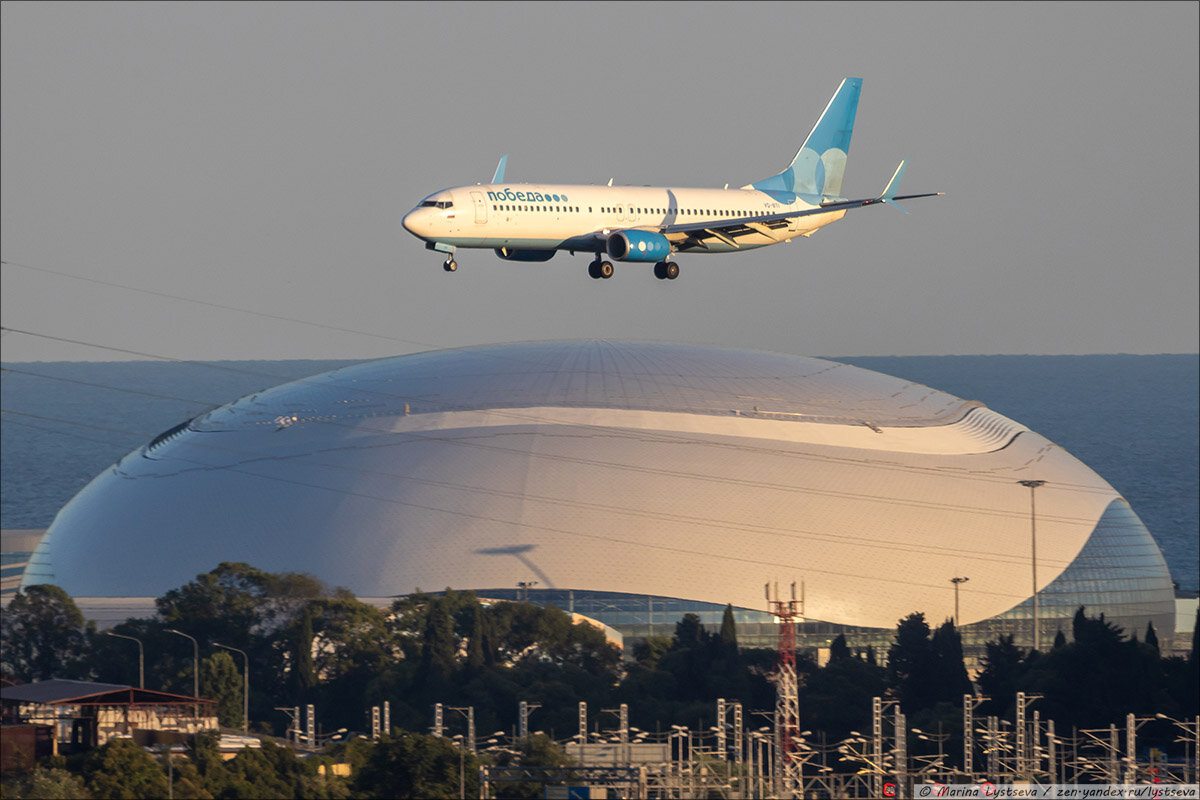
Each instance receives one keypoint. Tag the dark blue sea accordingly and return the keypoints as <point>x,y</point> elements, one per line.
<point>1133,419</point>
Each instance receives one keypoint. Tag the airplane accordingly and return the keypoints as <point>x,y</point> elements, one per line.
<point>532,222</point>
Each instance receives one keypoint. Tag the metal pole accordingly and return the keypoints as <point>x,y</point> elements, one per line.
<point>956,582</point>
<point>141,657</point>
<point>969,737</point>
<point>245,689</point>
<point>877,741</point>
<point>1033,485</point>
<point>583,731</point>
<point>1113,749</point>
<point>723,754</point>
<point>1053,750</point>
<point>1130,749</point>
<point>195,669</point>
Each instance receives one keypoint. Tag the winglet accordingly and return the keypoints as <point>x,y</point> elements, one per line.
<point>499,176</point>
<point>893,185</point>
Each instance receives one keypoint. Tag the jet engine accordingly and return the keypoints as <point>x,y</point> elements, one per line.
<point>635,245</point>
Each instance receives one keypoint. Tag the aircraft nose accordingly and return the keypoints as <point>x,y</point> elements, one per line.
<point>416,223</point>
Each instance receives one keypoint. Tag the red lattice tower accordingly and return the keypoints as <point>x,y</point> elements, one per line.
<point>787,698</point>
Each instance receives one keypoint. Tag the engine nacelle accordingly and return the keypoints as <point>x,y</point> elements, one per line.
<point>509,254</point>
<point>638,246</point>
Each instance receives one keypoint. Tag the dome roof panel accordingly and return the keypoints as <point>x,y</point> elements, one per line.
<point>602,374</point>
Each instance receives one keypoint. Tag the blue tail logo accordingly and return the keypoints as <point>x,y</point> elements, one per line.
<point>819,166</point>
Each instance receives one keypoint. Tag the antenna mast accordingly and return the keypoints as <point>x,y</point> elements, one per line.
<point>787,698</point>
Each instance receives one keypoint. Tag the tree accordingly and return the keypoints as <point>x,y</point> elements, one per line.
<point>50,783</point>
<point>122,769</point>
<point>438,646</point>
<point>837,698</point>
<point>728,634</point>
<point>1002,669</point>
<point>351,638</point>
<point>949,670</point>
<point>302,677</point>
<point>689,633</point>
<point>537,750</point>
<point>838,649</point>
<point>43,635</point>
<point>416,765</point>
<point>1151,635</point>
<point>649,651</point>
<point>911,665</point>
<point>476,654</point>
<point>221,681</point>
<point>226,604</point>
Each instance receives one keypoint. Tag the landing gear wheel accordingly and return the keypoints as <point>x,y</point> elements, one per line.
<point>594,269</point>
<point>660,270</point>
<point>671,270</point>
<point>450,265</point>
<point>605,269</point>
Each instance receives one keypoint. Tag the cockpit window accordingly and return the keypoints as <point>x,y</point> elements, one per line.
<point>437,204</point>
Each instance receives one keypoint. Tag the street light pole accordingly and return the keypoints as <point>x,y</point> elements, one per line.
<point>245,689</point>
<point>195,668</point>
<point>141,657</point>
<point>1033,485</point>
<point>956,582</point>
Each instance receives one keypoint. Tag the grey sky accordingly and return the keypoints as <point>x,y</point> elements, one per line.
<point>260,156</point>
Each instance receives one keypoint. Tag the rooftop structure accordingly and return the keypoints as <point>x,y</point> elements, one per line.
<point>622,478</point>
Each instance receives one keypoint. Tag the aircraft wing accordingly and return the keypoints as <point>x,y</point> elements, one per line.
<point>767,219</point>
<point>686,235</point>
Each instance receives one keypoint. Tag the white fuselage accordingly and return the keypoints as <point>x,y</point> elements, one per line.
<point>542,216</point>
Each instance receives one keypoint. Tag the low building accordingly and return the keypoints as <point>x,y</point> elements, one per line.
<point>83,715</point>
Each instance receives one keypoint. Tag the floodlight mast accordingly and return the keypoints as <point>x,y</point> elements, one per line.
<point>1033,485</point>
<point>141,657</point>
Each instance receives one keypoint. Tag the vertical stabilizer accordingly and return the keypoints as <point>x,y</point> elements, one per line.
<point>819,166</point>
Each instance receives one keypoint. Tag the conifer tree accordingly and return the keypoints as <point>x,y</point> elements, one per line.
<point>911,664</point>
<point>728,633</point>
<point>950,671</point>
<point>1151,635</point>
<point>838,649</point>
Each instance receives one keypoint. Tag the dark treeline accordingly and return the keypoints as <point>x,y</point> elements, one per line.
<point>309,644</point>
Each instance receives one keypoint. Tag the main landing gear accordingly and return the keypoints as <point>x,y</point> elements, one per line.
<point>450,264</point>
<point>666,270</point>
<point>600,269</point>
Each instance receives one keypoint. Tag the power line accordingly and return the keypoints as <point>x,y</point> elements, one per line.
<point>223,306</point>
<point>77,382</point>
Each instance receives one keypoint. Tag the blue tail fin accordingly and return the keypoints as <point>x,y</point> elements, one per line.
<point>818,168</point>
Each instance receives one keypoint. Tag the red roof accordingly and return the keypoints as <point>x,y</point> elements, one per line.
<point>58,692</point>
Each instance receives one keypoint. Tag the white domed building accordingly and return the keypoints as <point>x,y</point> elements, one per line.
<point>630,482</point>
